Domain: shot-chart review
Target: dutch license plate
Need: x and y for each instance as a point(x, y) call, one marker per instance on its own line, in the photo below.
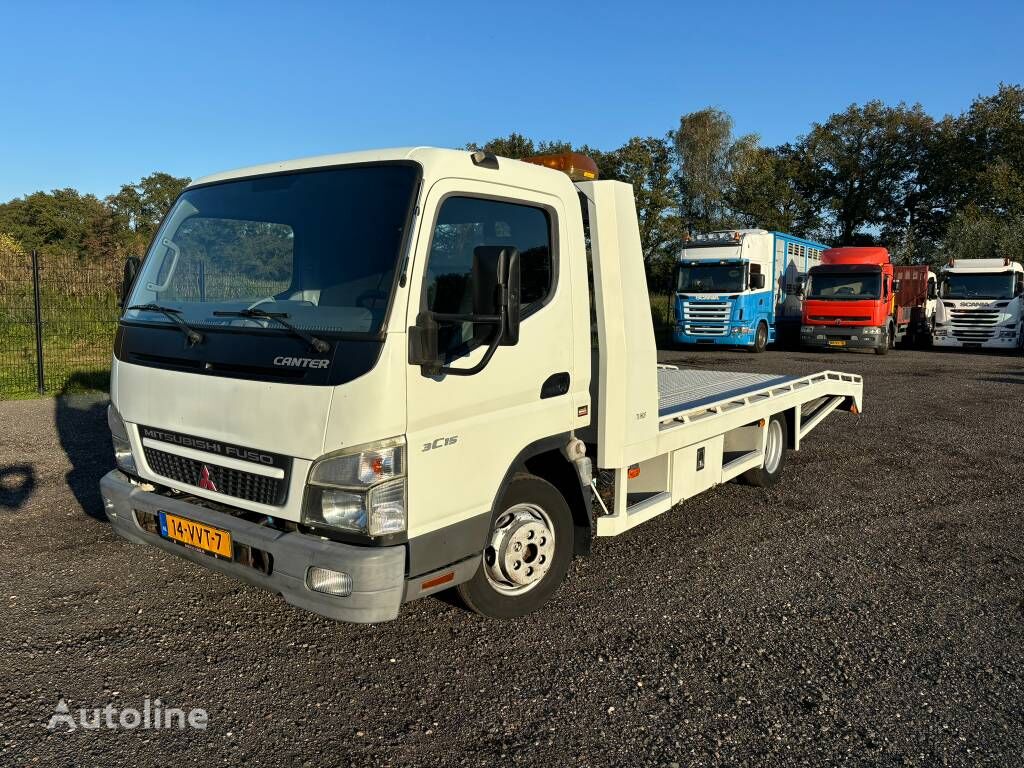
point(198, 535)
point(837, 343)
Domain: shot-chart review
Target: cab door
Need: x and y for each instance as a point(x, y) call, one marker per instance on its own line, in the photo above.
point(464, 432)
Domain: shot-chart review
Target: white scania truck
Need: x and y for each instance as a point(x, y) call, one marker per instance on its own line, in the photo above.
point(359, 379)
point(981, 306)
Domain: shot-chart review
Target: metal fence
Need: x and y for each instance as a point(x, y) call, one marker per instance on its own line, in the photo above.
point(58, 315)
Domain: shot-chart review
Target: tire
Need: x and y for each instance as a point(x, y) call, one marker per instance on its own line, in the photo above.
point(532, 527)
point(770, 472)
point(761, 337)
point(885, 342)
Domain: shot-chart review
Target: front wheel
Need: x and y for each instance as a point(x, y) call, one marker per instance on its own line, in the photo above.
point(770, 471)
point(527, 554)
point(761, 337)
point(885, 342)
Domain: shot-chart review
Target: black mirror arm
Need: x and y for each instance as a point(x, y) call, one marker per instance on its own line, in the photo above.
point(498, 320)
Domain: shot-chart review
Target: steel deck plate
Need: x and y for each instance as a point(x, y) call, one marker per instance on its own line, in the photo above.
point(681, 390)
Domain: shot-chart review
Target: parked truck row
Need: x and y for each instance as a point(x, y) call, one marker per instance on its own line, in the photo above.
point(750, 288)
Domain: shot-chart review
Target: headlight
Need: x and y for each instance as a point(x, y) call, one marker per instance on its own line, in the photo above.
point(362, 490)
point(871, 331)
point(741, 329)
point(119, 436)
point(362, 469)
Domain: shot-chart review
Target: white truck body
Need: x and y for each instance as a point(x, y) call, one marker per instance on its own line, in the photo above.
point(981, 305)
point(251, 440)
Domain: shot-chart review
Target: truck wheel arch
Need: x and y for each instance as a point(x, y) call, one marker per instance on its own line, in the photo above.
point(544, 459)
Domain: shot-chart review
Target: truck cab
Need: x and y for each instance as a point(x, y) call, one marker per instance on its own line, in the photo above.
point(850, 301)
point(359, 379)
point(980, 305)
point(738, 287)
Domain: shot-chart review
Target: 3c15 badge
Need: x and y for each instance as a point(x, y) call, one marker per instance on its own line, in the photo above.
point(441, 442)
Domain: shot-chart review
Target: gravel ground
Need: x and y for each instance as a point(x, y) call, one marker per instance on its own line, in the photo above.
point(866, 611)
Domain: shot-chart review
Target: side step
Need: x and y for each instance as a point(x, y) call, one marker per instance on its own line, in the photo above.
point(641, 512)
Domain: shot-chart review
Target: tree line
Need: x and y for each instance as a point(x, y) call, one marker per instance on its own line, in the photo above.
point(929, 189)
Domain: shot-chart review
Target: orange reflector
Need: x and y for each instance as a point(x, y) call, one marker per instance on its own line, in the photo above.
point(761, 423)
point(437, 581)
point(633, 472)
point(576, 165)
point(854, 409)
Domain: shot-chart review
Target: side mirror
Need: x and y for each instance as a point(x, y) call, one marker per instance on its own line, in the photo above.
point(132, 265)
point(756, 281)
point(799, 290)
point(1018, 289)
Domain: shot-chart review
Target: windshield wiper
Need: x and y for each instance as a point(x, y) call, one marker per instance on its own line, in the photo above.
point(319, 345)
point(194, 337)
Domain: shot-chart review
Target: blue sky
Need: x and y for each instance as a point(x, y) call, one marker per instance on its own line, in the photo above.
point(96, 94)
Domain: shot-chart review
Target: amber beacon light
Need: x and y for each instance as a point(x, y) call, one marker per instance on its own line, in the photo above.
point(576, 165)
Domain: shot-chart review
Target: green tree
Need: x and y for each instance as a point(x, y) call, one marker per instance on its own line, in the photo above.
point(765, 191)
point(975, 234)
point(61, 221)
point(138, 208)
point(861, 170)
point(706, 156)
point(646, 164)
point(973, 175)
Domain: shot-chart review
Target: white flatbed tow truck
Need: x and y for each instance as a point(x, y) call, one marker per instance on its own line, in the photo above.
point(359, 379)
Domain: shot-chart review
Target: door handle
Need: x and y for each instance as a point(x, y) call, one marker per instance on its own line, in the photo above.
point(556, 384)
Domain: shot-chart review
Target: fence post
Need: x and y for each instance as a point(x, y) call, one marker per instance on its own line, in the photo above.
point(37, 301)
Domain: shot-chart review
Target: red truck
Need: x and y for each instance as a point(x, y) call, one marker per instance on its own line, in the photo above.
point(857, 299)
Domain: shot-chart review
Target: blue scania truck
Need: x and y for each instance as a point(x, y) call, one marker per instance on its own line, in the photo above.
point(740, 288)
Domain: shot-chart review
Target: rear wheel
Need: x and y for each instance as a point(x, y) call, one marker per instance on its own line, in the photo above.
point(774, 455)
point(761, 337)
point(527, 554)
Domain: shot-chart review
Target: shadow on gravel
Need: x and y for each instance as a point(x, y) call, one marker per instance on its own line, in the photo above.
point(17, 481)
point(81, 421)
point(1002, 380)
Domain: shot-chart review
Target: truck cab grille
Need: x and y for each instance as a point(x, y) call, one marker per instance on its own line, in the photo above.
point(706, 318)
point(974, 324)
point(231, 482)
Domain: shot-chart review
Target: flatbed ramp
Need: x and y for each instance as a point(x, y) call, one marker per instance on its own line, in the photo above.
point(683, 390)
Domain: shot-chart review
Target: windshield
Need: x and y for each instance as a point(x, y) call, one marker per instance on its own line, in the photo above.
point(992, 286)
point(319, 247)
point(710, 278)
point(849, 286)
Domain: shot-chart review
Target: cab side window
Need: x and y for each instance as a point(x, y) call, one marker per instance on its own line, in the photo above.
point(465, 224)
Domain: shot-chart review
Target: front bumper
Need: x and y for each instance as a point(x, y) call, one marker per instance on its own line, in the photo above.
point(679, 336)
point(838, 337)
point(378, 573)
point(947, 339)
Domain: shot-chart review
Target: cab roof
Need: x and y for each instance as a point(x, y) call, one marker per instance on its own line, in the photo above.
point(436, 163)
point(874, 255)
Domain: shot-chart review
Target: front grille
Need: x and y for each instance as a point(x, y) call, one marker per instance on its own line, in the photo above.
point(974, 324)
point(232, 482)
point(706, 318)
point(834, 319)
